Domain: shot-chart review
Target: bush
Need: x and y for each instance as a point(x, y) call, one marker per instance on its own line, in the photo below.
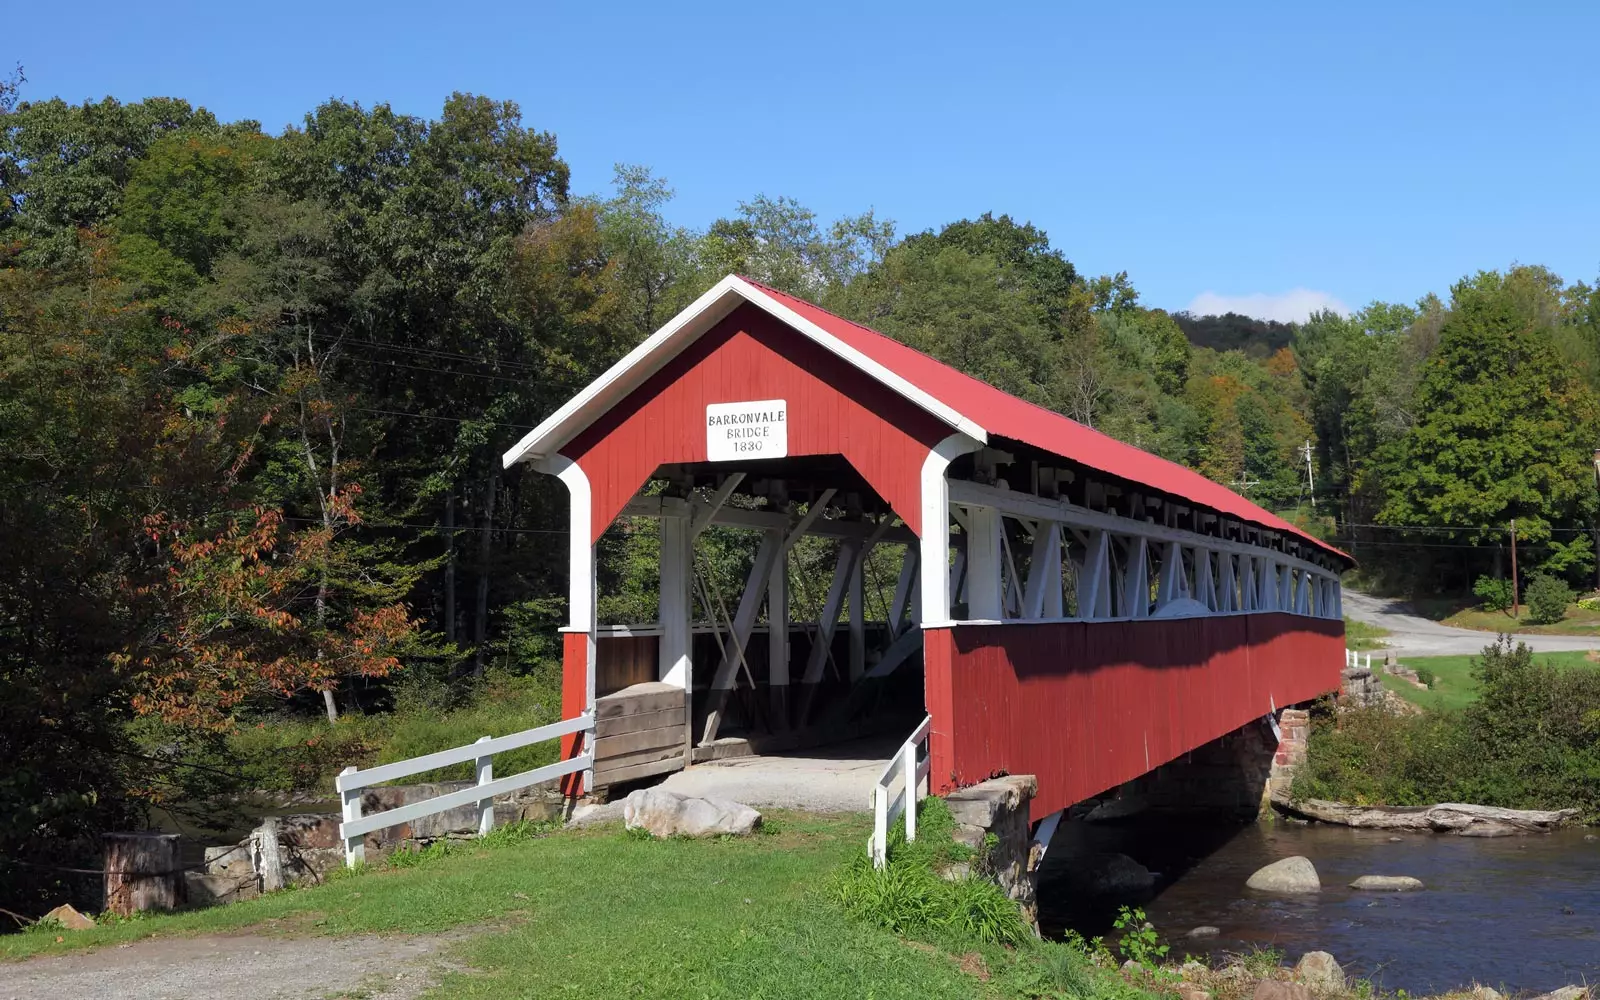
point(1494, 592)
point(1530, 741)
point(1548, 598)
point(293, 754)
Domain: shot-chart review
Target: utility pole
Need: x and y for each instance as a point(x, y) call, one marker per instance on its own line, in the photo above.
point(1516, 609)
point(1311, 486)
point(1244, 483)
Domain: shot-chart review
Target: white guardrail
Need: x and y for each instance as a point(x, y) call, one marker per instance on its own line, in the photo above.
point(912, 770)
point(351, 781)
point(1353, 659)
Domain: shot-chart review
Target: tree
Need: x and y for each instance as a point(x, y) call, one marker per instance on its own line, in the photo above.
point(1505, 430)
point(63, 167)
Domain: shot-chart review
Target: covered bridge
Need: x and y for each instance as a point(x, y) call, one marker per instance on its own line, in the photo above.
point(1062, 604)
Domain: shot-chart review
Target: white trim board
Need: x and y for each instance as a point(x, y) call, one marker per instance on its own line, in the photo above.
point(681, 331)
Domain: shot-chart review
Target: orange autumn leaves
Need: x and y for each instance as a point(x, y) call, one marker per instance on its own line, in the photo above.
point(250, 611)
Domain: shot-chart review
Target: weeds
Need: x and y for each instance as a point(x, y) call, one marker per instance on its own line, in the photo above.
point(913, 894)
point(1139, 942)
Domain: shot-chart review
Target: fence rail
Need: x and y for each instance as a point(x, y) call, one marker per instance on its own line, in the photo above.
point(912, 767)
point(352, 781)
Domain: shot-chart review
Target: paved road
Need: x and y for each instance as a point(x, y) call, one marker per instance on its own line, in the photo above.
point(837, 778)
point(1412, 634)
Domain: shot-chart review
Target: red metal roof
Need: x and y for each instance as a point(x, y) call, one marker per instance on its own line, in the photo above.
point(1006, 415)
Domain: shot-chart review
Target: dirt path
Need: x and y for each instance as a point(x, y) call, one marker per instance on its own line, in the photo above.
point(1417, 636)
point(225, 967)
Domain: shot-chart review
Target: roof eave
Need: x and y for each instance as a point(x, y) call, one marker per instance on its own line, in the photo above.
point(683, 329)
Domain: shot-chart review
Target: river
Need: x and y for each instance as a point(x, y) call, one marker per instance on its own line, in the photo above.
point(1515, 912)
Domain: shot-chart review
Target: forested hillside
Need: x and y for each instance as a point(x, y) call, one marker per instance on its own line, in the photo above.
point(256, 387)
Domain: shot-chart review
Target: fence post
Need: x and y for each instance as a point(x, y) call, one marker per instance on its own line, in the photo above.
point(355, 852)
point(880, 827)
point(908, 762)
point(485, 806)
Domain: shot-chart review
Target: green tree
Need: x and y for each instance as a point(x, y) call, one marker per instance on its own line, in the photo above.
point(1504, 430)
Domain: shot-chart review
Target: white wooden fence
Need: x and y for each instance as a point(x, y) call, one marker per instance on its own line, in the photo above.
point(351, 781)
point(913, 769)
point(1353, 659)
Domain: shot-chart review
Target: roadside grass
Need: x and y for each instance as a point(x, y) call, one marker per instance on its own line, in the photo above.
point(1463, 612)
point(597, 913)
point(1454, 687)
point(1362, 636)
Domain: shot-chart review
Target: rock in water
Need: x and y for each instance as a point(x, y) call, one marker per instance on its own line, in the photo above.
point(1387, 883)
point(1204, 931)
point(668, 814)
point(1272, 989)
point(1318, 970)
point(1294, 874)
point(68, 918)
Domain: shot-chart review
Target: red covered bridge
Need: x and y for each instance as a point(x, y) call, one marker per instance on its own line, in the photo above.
point(1058, 602)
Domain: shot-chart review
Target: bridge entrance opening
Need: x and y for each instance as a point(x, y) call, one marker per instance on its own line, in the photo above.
point(785, 614)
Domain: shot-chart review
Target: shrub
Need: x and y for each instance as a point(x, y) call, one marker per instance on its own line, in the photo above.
point(1530, 741)
point(1548, 598)
point(1494, 592)
point(1426, 676)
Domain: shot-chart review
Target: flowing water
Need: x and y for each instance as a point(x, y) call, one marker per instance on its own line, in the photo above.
point(1518, 912)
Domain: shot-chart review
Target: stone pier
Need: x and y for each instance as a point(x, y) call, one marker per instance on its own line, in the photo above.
point(1000, 807)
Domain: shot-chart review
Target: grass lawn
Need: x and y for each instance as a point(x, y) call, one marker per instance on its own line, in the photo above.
point(1361, 636)
point(1454, 687)
point(1579, 621)
point(600, 913)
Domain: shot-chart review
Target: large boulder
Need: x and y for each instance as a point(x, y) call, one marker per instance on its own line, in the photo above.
point(668, 814)
point(1387, 883)
point(1318, 970)
point(1291, 875)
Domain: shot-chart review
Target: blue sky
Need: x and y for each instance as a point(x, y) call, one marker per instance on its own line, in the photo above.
point(1266, 156)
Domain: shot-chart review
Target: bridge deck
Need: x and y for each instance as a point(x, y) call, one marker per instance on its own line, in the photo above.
point(836, 778)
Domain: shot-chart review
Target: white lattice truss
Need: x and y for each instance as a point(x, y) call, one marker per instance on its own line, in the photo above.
point(1086, 565)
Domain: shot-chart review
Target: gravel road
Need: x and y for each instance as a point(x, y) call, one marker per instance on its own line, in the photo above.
point(225, 967)
point(1417, 636)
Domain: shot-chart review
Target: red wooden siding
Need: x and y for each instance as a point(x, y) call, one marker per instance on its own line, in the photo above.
point(833, 409)
point(574, 698)
point(1088, 706)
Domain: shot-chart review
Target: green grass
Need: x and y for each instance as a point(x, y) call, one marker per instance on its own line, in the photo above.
point(1453, 686)
point(301, 753)
point(1362, 636)
point(1461, 613)
point(600, 914)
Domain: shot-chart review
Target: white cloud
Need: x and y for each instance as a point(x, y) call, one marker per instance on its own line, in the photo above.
point(1293, 306)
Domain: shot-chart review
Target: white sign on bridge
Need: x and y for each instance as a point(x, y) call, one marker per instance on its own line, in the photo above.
point(757, 429)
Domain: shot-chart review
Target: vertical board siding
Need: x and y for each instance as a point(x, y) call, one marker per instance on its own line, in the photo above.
point(574, 699)
point(1086, 706)
point(833, 409)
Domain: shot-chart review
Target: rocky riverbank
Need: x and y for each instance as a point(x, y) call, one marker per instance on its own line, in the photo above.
point(1449, 817)
point(1317, 975)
